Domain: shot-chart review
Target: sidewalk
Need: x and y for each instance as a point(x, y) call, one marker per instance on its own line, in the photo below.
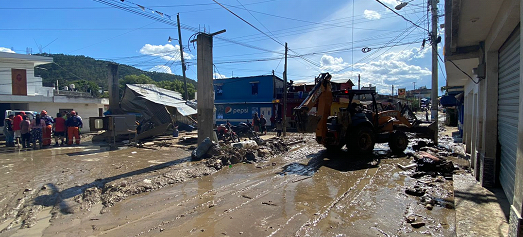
point(479, 211)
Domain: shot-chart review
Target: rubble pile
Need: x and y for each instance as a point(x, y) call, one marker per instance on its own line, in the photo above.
point(225, 155)
point(432, 172)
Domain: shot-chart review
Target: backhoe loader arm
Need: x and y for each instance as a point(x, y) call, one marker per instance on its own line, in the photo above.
point(320, 95)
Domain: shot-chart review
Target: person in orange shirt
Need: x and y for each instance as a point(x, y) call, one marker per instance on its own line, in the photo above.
point(73, 124)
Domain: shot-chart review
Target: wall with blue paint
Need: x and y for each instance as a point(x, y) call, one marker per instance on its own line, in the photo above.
point(240, 89)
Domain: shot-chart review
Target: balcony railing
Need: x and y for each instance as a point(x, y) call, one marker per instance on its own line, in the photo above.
point(73, 93)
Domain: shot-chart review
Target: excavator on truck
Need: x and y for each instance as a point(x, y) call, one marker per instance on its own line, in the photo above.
point(358, 126)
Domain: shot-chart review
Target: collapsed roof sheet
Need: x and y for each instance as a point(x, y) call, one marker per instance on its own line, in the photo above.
point(162, 96)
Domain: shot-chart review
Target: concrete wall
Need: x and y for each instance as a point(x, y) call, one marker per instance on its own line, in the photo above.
point(480, 128)
point(85, 110)
point(480, 133)
point(240, 89)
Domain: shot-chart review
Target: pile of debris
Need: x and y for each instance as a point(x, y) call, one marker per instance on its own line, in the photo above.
point(248, 151)
point(432, 173)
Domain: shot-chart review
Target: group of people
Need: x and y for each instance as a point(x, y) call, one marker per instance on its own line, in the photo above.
point(20, 129)
point(260, 124)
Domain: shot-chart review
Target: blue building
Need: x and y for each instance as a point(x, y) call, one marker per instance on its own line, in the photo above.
point(238, 98)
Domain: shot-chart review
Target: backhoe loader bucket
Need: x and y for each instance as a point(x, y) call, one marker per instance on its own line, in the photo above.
point(306, 123)
point(425, 129)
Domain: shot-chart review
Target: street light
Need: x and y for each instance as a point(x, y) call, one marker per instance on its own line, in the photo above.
point(401, 5)
point(170, 39)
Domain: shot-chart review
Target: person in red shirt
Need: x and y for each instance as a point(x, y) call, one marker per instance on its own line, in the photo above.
point(16, 126)
point(59, 129)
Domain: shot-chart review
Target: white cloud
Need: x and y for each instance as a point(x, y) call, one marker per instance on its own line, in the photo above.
point(371, 15)
point(6, 50)
point(218, 76)
point(161, 68)
point(167, 52)
point(392, 68)
point(330, 63)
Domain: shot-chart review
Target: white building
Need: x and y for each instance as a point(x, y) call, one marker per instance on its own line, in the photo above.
point(20, 89)
point(483, 53)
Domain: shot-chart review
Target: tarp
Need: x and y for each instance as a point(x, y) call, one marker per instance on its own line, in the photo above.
point(154, 94)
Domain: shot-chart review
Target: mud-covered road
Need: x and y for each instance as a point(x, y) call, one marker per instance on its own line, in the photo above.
point(89, 191)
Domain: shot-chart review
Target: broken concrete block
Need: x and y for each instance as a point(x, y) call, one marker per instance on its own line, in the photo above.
point(248, 143)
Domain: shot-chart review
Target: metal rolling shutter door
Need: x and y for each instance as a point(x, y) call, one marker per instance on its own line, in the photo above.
point(508, 110)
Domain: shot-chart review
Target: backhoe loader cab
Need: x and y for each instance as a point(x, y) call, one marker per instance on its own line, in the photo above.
point(358, 126)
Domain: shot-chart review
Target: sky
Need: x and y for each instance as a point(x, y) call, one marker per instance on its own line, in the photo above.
point(345, 38)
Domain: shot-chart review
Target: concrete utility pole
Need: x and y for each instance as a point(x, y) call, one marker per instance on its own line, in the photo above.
point(114, 92)
point(434, 92)
point(205, 95)
point(285, 94)
point(359, 80)
point(181, 56)
point(392, 91)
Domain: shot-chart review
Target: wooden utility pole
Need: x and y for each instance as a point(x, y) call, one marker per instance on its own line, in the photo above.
point(181, 56)
point(285, 94)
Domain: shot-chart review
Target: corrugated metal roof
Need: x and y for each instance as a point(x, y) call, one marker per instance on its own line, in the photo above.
point(162, 96)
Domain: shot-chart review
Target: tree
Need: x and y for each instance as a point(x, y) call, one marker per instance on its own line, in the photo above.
point(87, 86)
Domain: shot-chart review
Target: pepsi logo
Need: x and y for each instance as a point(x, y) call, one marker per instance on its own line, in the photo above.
point(228, 110)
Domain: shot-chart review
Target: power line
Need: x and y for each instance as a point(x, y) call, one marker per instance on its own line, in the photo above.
point(401, 15)
point(275, 40)
point(248, 23)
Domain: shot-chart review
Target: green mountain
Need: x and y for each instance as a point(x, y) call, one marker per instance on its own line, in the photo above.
point(89, 73)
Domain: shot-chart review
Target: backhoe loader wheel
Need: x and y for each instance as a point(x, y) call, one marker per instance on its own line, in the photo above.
point(361, 141)
point(398, 142)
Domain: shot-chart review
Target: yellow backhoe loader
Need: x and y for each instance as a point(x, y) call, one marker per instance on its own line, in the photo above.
point(358, 126)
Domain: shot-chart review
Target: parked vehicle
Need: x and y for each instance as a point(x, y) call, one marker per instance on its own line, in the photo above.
point(245, 130)
point(29, 113)
point(225, 133)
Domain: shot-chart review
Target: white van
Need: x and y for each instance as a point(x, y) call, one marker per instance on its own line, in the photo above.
point(30, 114)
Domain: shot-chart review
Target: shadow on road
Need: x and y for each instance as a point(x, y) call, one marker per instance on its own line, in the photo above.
point(57, 196)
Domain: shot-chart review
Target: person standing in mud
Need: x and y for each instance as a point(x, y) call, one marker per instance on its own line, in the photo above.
point(263, 125)
point(279, 127)
point(48, 129)
point(59, 129)
point(16, 126)
point(25, 132)
point(73, 124)
point(8, 131)
point(66, 116)
point(256, 122)
point(37, 126)
point(427, 114)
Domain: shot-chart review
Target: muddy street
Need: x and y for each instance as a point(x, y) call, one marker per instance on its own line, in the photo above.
point(306, 191)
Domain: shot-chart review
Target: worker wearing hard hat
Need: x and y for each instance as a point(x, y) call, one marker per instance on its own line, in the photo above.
point(73, 123)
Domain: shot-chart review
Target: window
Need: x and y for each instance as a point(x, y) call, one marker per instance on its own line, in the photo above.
point(254, 87)
point(219, 89)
